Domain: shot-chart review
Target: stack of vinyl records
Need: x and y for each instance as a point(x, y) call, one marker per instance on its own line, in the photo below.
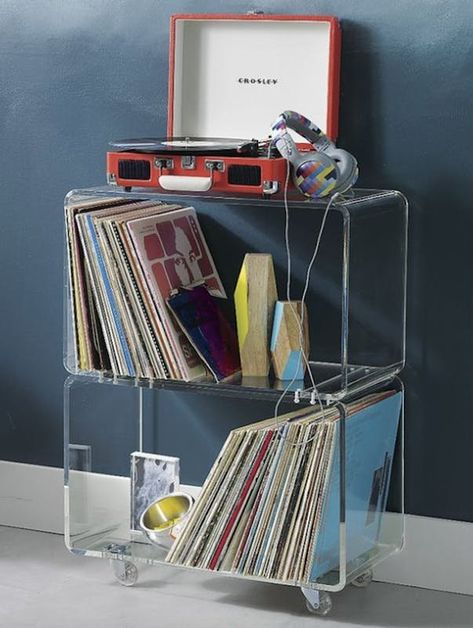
point(126, 259)
point(270, 507)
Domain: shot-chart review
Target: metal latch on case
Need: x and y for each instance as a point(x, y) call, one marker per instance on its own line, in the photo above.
point(188, 162)
point(215, 164)
point(167, 164)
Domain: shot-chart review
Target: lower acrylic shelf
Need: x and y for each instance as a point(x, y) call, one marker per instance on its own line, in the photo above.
point(105, 430)
point(114, 541)
point(107, 546)
point(333, 383)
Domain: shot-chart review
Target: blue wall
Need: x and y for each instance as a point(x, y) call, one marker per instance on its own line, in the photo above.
point(75, 74)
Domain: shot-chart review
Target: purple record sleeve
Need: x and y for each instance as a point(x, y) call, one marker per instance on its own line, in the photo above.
point(202, 320)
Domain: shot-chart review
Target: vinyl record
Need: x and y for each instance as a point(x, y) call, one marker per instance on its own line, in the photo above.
point(188, 145)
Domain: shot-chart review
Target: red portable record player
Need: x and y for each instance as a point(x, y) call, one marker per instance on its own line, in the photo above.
point(231, 75)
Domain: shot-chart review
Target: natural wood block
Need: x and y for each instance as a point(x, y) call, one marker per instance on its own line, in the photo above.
point(288, 362)
point(255, 296)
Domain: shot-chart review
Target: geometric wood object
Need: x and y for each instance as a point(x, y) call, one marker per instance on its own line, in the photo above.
point(288, 362)
point(255, 296)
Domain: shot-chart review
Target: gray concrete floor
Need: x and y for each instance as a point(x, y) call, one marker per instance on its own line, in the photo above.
point(43, 586)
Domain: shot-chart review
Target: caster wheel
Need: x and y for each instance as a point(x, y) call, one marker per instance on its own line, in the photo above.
point(125, 572)
point(363, 579)
point(324, 607)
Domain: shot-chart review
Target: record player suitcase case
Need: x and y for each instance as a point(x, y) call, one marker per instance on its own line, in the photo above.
point(231, 76)
point(197, 170)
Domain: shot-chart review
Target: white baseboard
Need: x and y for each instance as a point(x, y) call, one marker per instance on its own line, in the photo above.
point(31, 497)
point(437, 554)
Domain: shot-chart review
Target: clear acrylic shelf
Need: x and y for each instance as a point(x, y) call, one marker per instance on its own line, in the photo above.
point(104, 426)
point(356, 300)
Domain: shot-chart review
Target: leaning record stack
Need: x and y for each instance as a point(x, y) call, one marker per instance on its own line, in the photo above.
point(126, 257)
point(266, 505)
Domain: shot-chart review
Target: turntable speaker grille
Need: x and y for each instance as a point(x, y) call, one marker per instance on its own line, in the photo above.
point(244, 175)
point(137, 169)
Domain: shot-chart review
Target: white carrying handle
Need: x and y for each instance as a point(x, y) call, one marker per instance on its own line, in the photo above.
point(174, 183)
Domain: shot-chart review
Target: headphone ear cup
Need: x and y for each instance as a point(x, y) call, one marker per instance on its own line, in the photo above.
point(316, 174)
point(347, 168)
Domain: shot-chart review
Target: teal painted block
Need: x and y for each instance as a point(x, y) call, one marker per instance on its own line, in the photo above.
point(295, 366)
point(286, 351)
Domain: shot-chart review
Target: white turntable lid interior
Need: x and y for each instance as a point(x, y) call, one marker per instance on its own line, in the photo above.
point(211, 56)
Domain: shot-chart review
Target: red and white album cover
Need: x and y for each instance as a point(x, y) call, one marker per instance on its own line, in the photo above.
point(177, 253)
point(173, 253)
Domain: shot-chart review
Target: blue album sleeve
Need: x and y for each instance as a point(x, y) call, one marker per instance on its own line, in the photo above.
point(370, 437)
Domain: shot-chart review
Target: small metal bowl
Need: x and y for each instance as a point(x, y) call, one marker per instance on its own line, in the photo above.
point(163, 516)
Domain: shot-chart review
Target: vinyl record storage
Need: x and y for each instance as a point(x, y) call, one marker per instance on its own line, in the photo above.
point(309, 492)
point(328, 503)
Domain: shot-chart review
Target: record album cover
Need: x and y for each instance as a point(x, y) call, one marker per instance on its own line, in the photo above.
point(173, 254)
point(205, 325)
point(152, 476)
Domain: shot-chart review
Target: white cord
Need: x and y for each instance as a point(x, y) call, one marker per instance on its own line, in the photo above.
point(300, 320)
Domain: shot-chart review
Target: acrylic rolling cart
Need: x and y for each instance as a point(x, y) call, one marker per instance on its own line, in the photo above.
point(356, 307)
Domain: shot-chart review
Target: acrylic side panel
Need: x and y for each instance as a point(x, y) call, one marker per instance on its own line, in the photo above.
point(70, 359)
point(114, 467)
point(371, 441)
point(377, 281)
point(357, 532)
point(102, 426)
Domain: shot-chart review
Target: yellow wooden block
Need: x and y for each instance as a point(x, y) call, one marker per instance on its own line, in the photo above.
point(255, 296)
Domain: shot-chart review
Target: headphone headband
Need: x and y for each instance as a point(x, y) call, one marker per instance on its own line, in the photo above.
point(304, 127)
point(323, 171)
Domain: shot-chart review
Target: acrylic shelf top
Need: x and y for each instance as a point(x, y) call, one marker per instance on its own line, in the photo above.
point(354, 202)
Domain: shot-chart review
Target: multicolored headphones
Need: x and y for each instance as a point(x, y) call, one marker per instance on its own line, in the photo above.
point(318, 173)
